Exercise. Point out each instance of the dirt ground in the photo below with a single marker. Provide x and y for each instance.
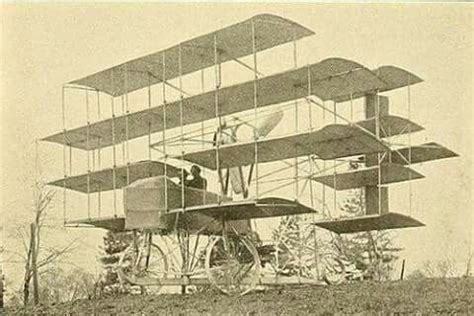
(426, 296)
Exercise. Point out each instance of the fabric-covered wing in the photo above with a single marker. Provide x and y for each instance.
(330, 78)
(116, 224)
(332, 141)
(392, 76)
(262, 208)
(390, 173)
(102, 180)
(420, 153)
(234, 41)
(364, 223)
(391, 125)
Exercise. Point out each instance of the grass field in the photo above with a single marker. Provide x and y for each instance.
(425, 296)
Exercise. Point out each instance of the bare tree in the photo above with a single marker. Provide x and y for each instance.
(35, 256)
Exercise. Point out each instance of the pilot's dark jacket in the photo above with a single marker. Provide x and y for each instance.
(197, 183)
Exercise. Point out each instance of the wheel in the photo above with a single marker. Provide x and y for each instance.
(142, 263)
(294, 257)
(187, 258)
(232, 265)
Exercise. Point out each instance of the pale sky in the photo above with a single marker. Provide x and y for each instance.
(45, 46)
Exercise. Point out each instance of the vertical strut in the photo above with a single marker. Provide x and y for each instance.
(323, 191)
(88, 157)
(98, 104)
(99, 204)
(310, 161)
(98, 152)
(410, 192)
(114, 152)
(99, 201)
(377, 134)
(149, 123)
(334, 162)
(63, 107)
(310, 106)
(202, 119)
(181, 96)
(202, 137)
(127, 152)
(70, 160)
(122, 99)
(255, 102)
(98, 137)
(218, 118)
(93, 160)
(163, 78)
(295, 65)
(310, 129)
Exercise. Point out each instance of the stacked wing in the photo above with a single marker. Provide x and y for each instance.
(232, 42)
(103, 180)
(334, 79)
(331, 79)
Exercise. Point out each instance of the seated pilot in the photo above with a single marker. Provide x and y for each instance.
(197, 181)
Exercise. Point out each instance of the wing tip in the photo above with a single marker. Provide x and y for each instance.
(276, 18)
(413, 79)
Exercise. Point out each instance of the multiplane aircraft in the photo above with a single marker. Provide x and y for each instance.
(211, 227)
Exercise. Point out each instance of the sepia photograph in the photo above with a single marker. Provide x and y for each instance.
(236, 158)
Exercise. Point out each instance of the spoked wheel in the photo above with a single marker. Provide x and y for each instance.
(188, 261)
(142, 263)
(232, 265)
